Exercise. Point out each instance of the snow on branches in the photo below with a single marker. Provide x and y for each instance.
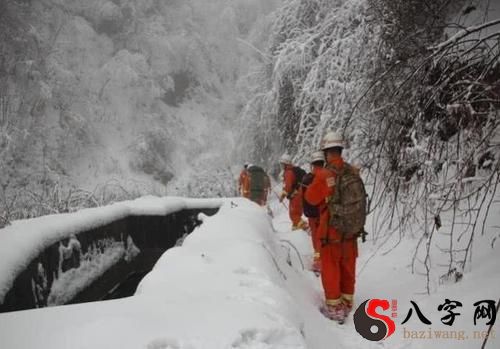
(322, 54)
(420, 122)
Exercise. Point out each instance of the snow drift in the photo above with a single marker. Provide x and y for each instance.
(224, 288)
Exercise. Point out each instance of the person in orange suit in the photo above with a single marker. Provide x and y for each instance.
(338, 255)
(244, 183)
(292, 191)
(312, 212)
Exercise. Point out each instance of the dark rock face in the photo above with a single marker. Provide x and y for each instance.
(150, 236)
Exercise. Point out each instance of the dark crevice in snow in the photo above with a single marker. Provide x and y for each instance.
(104, 262)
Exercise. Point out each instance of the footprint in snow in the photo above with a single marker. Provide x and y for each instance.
(268, 338)
(249, 337)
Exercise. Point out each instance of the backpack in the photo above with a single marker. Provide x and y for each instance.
(299, 175)
(348, 204)
(257, 178)
(310, 211)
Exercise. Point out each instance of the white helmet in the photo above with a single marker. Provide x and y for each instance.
(317, 156)
(332, 139)
(286, 159)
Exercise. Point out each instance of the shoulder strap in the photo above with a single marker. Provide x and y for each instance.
(338, 172)
(337, 194)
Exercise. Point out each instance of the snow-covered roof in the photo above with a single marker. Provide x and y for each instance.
(24, 240)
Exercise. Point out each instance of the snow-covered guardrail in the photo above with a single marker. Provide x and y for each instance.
(53, 260)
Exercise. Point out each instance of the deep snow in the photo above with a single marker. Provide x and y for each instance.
(221, 289)
(231, 285)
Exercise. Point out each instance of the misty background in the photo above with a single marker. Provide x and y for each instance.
(102, 101)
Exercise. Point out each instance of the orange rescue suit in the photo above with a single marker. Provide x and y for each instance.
(338, 257)
(244, 184)
(314, 223)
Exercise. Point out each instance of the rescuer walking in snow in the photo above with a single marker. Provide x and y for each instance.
(312, 212)
(243, 182)
(339, 193)
(257, 184)
(292, 178)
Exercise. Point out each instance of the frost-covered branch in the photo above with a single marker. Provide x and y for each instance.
(464, 33)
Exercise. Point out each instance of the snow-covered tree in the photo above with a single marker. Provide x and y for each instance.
(413, 85)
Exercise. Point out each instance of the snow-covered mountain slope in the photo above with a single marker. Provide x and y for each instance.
(121, 96)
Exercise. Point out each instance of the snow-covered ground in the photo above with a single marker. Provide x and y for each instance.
(384, 272)
(241, 280)
(223, 288)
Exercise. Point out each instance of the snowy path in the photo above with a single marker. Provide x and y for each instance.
(388, 276)
(231, 286)
(306, 289)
